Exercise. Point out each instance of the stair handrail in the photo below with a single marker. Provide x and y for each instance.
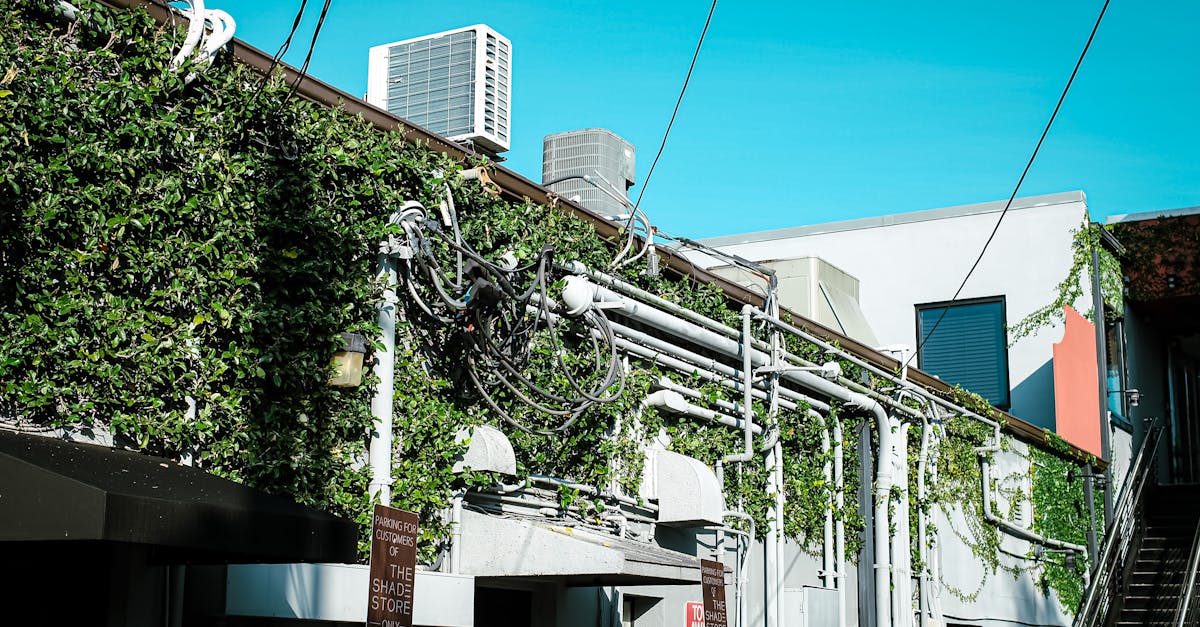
(1119, 536)
(1187, 594)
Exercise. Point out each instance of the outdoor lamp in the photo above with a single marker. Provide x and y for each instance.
(348, 361)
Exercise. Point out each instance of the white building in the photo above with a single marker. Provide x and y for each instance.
(456, 83)
(909, 265)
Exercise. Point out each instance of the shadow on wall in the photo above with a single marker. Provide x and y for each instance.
(1033, 398)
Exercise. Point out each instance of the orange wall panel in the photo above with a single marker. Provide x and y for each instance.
(1076, 391)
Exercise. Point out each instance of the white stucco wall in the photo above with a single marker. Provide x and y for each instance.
(922, 257)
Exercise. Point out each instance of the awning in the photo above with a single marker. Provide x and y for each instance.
(54, 490)
(497, 547)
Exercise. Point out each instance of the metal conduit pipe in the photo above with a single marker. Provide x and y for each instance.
(809, 381)
(456, 532)
(1007, 527)
(839, 527)
(675, 402)
(628, 289)
(904, 383)
(713, 325)
(704, 337)
(697, 362)
(828, 578)
(923, 553)
(902, 543)
(380, 450)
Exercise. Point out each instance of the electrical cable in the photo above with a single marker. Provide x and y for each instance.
(502, 323)
(678, 101)
(283, 48)
(1017, 188)
(308, 57)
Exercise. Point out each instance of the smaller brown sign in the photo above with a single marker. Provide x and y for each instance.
(712, 580)
(393, 567)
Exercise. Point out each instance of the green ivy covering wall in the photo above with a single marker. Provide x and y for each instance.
(161, 241)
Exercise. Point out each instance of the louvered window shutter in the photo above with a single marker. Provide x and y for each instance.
(968, 347)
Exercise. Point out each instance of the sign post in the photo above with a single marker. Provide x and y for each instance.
(393, 567)
(712, 580)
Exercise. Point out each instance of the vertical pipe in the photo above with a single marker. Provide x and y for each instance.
(866, 608)
(827, 574)
(456, 508)
(839, 530)
(1102, 376)
(922, 537)
(780, 539)
(1089, 493)
(902, 543)
(385, 369)
(882, 531)
(770, 557)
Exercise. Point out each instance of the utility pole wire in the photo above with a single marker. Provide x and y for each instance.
(678, 101)
(1016, 189)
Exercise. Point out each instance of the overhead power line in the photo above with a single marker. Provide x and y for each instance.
(678, 101)
(287, 43)
(311, 46)
(1020, 181)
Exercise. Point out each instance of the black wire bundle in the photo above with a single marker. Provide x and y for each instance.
(512, 328)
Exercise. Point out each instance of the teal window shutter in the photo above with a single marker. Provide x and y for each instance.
(968, 347)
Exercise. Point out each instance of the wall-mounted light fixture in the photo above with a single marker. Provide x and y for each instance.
(348, 361)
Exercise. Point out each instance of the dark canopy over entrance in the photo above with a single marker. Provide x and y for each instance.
(53, 490)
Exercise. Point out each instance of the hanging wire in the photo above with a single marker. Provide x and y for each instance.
(510, 325)
(678, 101)
(1008, 205)
(311, 46)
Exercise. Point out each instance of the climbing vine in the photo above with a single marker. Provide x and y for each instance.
(164, 243)
(1061, 512)
(1084, 240)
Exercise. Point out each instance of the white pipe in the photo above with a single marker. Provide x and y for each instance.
(827, 575)
(883, 479)
(747, 394)
(638, 342)
(771, 557)
(780, 538)
(675, 402)
(380, 453)
(1004, 525)
(839, 528)
(923, 553)
(902, 542)
(456, 533)
(195, 16)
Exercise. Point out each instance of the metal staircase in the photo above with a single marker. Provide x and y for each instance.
(1147, 569)
(1152, 586)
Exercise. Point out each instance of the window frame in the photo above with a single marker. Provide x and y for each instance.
(966, 302)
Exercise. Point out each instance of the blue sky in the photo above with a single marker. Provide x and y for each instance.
(800, 113)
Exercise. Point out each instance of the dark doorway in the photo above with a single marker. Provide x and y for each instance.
(495, 607)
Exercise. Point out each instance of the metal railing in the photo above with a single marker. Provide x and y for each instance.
(1124, 529)
(1188, 610)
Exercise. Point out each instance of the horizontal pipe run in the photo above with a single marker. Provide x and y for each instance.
(700, 362)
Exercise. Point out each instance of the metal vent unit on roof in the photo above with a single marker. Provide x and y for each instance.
(686, 489)
(489, 451)
(813, 288)
(594, 152)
